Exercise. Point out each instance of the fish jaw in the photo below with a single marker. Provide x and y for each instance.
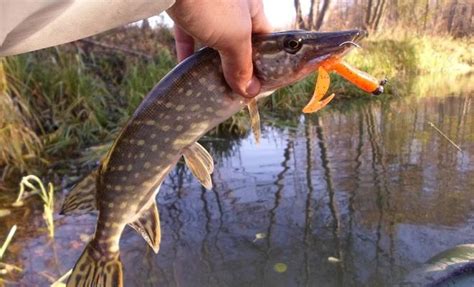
(284, 58)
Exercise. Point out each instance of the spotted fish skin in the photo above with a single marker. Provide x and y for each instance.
(192, 99)
(175, 115)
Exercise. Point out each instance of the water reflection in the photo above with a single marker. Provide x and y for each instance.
(372, 186)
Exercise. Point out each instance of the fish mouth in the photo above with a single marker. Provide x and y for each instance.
(328, 45)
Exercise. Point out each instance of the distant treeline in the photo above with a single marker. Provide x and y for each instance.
(453, 17)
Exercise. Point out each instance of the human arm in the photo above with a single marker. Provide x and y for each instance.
(27, 25)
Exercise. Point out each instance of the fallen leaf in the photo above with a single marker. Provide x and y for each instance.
(259, 236)
(280, 267)
(334, 259)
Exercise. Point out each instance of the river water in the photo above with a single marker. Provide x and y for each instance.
(358, 195)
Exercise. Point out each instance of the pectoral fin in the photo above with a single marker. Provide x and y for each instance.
(254, 119)
(148, 225)
(200, 163)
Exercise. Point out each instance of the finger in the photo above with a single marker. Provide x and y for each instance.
(237, 58)
(184, 43)
(238, 69)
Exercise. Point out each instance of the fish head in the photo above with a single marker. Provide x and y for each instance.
(283, 58)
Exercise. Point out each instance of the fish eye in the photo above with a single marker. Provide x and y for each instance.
(292, 45)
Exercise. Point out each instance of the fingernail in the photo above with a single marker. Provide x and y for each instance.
(253, 87)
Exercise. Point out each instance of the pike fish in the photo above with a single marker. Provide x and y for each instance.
(189, 101)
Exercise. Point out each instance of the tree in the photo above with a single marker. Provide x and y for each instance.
(315, 18)
(459, 18)
(373, 15)
(421, 16)
(313, 12)
(322, 14)
(299, 21)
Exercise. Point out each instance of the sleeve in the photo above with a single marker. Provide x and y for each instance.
(27, 25)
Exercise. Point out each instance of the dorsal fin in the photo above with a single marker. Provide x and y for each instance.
(148, 225)
(254, 119)
(200, 163)
(82, 198)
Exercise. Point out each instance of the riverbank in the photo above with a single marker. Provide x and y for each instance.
(64, 100)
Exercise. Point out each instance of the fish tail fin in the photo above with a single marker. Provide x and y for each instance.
(93, 269)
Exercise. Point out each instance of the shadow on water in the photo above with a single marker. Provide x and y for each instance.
(357, 195)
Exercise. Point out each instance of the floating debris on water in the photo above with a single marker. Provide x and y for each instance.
(445, 136)
(85, 237)
(334, 259)
(259, 236)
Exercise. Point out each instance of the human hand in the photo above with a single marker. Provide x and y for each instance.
(226, 26)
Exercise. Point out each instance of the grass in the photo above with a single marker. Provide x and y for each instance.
(86, 93)
(7, 241)
(47, 196)
(6, 268)
(20, 146)
(392, 55)
(80, 100)
(60, 281)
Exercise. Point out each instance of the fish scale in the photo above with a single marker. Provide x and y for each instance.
(192, 99)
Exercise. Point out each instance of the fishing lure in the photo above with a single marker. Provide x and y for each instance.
(322, 85)
(359, 78)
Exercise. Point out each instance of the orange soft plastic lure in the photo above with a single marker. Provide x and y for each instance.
(359, 78)
(322, 85)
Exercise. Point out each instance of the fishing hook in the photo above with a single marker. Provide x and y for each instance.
(351, 43)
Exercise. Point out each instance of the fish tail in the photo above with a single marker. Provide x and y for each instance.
(94, 269)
